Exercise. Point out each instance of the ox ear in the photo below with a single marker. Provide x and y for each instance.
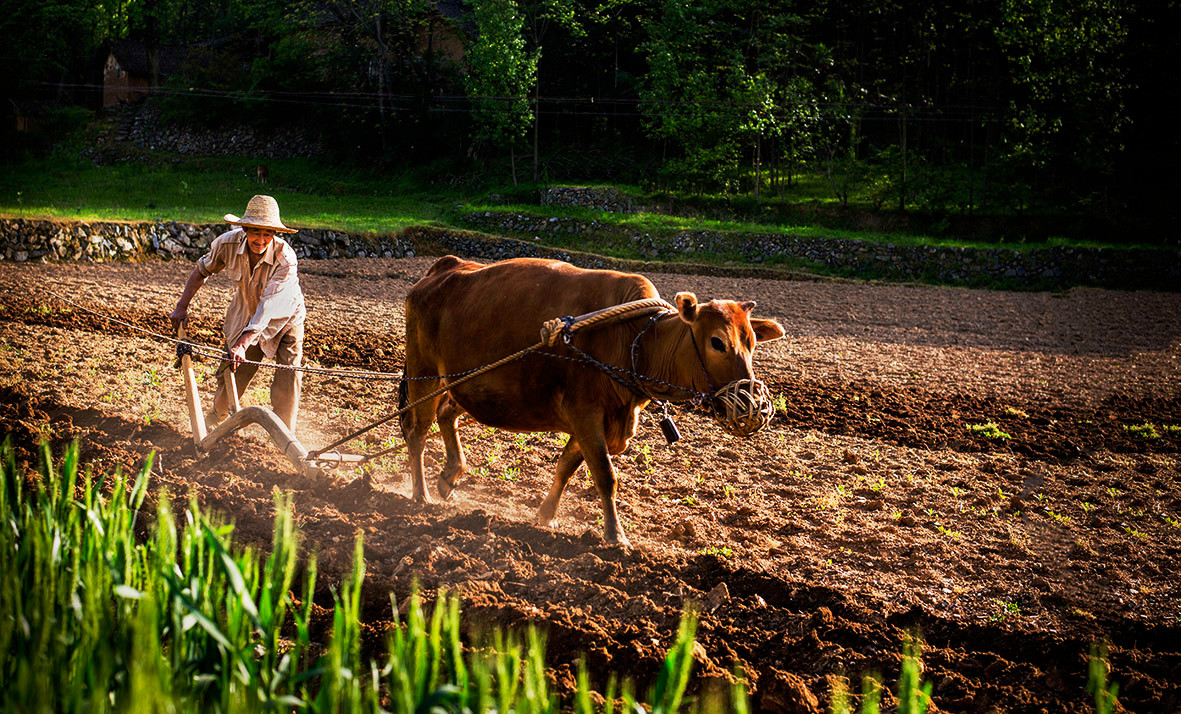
(766, 330)
(686, 306)
(748, 306)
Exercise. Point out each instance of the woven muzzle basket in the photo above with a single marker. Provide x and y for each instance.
(742, 407)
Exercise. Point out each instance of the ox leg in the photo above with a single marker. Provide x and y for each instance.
(593, 445)
(568, 463)
(453, 470)
(416, 424)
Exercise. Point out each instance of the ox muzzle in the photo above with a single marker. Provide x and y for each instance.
(742, 407)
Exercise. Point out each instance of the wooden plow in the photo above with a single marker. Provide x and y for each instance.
(314, 463)
(239, 418)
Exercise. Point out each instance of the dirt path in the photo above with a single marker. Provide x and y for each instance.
(867, 508)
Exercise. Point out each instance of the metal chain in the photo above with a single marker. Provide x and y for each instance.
(612, 371)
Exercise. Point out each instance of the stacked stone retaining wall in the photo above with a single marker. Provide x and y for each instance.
(142, 125)
(23, 240)
(1057, 265)
(28, 240)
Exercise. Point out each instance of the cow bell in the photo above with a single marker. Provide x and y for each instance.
(671, 434)
(742, 407)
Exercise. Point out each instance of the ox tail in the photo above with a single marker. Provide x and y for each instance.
(403, 392)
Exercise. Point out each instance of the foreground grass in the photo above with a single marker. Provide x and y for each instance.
(96, 619)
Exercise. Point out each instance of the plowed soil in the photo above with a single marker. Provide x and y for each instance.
(868, 509)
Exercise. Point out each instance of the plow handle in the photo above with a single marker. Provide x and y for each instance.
(196, 416)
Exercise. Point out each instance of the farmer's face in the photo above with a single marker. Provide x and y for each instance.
(258, 239)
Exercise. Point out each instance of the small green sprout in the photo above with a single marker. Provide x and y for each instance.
(1005, 609)
(989, 430)
(1146, 431)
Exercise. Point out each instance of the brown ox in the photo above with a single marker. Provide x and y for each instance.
(463, 315)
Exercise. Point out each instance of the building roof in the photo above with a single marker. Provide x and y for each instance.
(132, 56)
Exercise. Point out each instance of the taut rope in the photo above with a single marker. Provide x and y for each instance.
(551, 332)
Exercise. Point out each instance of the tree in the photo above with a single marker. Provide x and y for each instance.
(715, 70)
(1068, 108)
(500, 74)
(539, 16)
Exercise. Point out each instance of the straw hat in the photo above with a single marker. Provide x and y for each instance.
(261, 212)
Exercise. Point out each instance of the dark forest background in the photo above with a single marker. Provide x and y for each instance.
(1017, 107)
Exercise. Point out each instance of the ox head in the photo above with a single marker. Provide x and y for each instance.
(724, 337)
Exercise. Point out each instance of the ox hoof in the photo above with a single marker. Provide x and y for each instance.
(445, 488)
(619, 539)
(421, 497)
(545, 522)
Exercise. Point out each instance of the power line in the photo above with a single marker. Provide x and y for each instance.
(849, 111)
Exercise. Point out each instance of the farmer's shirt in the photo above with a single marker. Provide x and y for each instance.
(268, 298)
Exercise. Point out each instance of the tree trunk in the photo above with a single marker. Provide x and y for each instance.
(536, 124)
(380, 80)
(152, 45)
(758, 165)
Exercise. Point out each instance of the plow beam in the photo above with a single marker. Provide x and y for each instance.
(275, 428)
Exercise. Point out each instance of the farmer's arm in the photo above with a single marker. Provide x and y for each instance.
(181, 313)
(212, 262)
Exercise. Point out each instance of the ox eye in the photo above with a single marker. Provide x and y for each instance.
(717, 344)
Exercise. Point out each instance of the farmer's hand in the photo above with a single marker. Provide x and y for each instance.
(238, 351)
(179, 316)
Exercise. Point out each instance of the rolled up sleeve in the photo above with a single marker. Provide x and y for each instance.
(219, 251)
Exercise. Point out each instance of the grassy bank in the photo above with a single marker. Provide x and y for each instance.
(315, 195)
(203, 190)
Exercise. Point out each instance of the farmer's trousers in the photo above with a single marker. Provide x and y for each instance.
(285, 385)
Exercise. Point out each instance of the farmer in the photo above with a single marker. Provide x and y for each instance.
(266, 316)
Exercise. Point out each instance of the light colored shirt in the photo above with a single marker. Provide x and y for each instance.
(268, 297)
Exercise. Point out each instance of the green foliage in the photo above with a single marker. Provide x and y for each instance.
(1097, 684)
(501, 73)
(182, 621)
(1069, 110)
(1146, 431)
(712, 85)
(914, 696)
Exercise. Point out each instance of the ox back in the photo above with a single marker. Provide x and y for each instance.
(464, 315)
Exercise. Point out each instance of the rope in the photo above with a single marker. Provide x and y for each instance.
(551, 331)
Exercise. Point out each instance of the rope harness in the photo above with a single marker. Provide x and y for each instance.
(741, 407)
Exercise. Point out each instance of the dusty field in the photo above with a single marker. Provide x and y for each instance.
(867, 509)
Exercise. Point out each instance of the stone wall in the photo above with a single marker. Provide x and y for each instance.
(24, 240)
(142, 126)
(1060, 265)
(601, 198)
